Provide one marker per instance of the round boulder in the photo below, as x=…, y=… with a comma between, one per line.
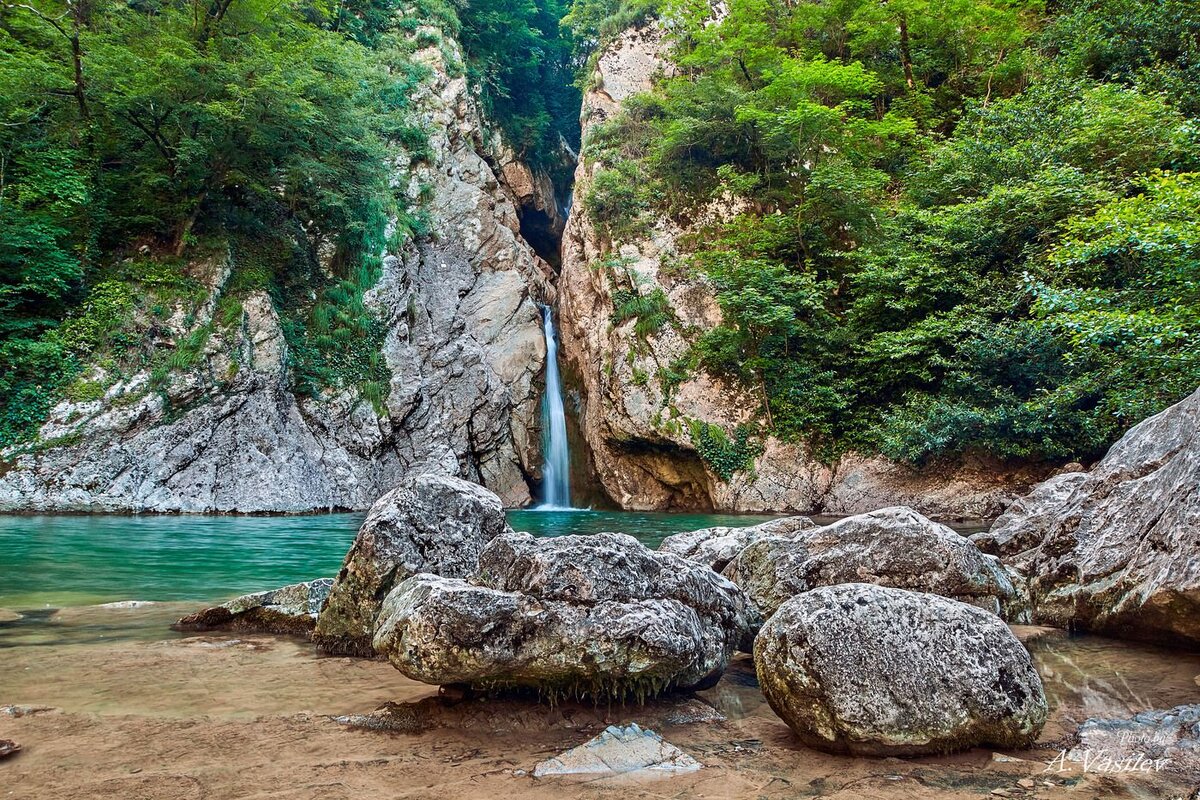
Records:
x=868, y=670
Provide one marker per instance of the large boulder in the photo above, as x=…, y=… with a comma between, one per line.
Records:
x=894, y=547
x=599, y=616
x=718, y=546
x=869, y=670
x=430, y=523
x=1117, y=550
x=288, y=610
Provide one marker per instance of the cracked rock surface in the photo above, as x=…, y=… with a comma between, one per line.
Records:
x=1114, y=550
x=429, y=524
x=599, y=616
x=288, y=610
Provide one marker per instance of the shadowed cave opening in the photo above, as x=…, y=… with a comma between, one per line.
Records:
x=544, y=235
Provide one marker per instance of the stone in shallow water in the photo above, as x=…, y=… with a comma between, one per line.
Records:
x=25, y=711
x=620, y=751
x=8, y=747
x=716, y=547
x=868, y=670
x=288, y=610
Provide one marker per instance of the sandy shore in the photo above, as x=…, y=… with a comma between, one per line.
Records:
x=166, y=716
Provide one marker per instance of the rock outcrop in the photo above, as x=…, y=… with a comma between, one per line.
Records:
x=599, y=616
x=717, y=547
x=869, y=670
x=430, y=523
x=641, y=422
x=291, y=609
x=228, y=434
x=895, y=547
x=1115, y=550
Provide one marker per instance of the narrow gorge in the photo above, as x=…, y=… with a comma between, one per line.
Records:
x=463, y=340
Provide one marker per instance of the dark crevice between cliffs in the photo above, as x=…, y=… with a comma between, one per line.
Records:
x=544, y=234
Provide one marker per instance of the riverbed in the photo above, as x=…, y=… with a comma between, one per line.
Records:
x=111, y=703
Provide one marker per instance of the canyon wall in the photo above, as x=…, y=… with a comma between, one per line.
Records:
x=228, y=434
x=642, y=430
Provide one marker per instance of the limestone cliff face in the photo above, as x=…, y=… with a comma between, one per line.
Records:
x=642, y=438
x=463, y=342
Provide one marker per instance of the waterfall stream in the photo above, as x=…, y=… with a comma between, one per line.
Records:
x=556, y=465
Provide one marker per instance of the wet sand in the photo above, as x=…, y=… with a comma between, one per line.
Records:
x=134, y=711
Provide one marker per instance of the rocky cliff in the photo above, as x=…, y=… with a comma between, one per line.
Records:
x=227, y=434
x=1113, y=550
x=650, y=433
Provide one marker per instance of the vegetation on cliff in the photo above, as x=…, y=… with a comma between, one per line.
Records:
x=139, y=135
x=943, y=225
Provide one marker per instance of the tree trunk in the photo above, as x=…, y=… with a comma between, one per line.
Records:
x=906, y=52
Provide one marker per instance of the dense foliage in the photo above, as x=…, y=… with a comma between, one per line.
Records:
x=942, y=226
x=140, y=138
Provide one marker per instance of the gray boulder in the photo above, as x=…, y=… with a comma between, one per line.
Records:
x=1117, y=550
x=718, y=546
x=868, y=670
x=430, y=523
x=894, y=547
x=288, y=610
x=599, y=616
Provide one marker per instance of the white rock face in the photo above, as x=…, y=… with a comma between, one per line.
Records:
x=463, y=342
x=641, y=446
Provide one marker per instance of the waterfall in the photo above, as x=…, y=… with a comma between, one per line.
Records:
x=556, y=465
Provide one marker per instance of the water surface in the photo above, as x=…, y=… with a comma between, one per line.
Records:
x=76, y=560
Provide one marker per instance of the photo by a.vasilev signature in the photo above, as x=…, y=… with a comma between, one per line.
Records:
x=1104, y=761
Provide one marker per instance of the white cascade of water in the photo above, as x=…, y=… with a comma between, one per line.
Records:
x=556, y=462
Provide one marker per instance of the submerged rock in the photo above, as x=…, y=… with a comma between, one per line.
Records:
x=620, y=751
x=1115, y=550
x=1149, y=741
x=8, y=747
x=430, y=523
x=718, y=546
x=894, y=547
x=869, y=670
x=288, y=610
x=600, y=615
